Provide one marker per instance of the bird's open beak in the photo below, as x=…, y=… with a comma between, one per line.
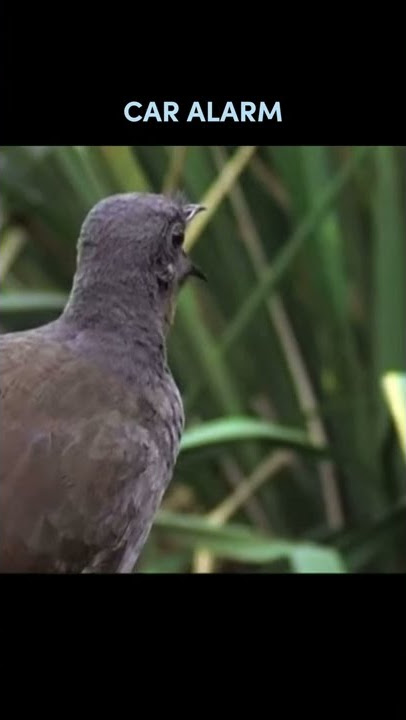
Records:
x=196, y=272
x=191, y=210
x=192, y=270
x=187, y=268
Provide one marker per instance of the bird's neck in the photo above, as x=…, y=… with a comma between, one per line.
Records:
x=125, y=314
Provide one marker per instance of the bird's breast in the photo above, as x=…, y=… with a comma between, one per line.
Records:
x=168, y=422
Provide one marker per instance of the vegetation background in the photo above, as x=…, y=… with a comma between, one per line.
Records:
x=291, y=361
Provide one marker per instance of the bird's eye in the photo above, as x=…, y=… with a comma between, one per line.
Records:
x=178, y=238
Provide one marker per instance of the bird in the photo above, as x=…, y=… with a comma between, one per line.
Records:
x=91, y=417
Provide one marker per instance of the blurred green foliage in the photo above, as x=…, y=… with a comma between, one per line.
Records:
x=291, y=460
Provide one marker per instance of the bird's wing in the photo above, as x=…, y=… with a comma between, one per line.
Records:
x=74, y=458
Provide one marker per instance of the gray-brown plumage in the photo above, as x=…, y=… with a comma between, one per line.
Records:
x=90, y=417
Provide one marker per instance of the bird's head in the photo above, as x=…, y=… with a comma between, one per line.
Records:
x=135, y=240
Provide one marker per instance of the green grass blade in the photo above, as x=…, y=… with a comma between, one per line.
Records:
x=13, y=240
x=75, y=169
x=237, y=429
x=274, y=272
x=389, y=271
x=126, y=169
x=213, y=367
x=314, y=559
x=218, y=191
x=236, y=542
x=31, y=301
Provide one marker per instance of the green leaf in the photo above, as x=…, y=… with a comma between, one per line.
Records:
x=237, y=429
x=274, y=272
x=73, y=164
x=314, y=559
x=389, y=272
x=13, y=240
x=125, y=168
x=32, y=301
x=363, y=546
x=171, y=563
x=237, y=542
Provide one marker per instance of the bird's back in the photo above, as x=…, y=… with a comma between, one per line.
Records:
x=86, y=456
